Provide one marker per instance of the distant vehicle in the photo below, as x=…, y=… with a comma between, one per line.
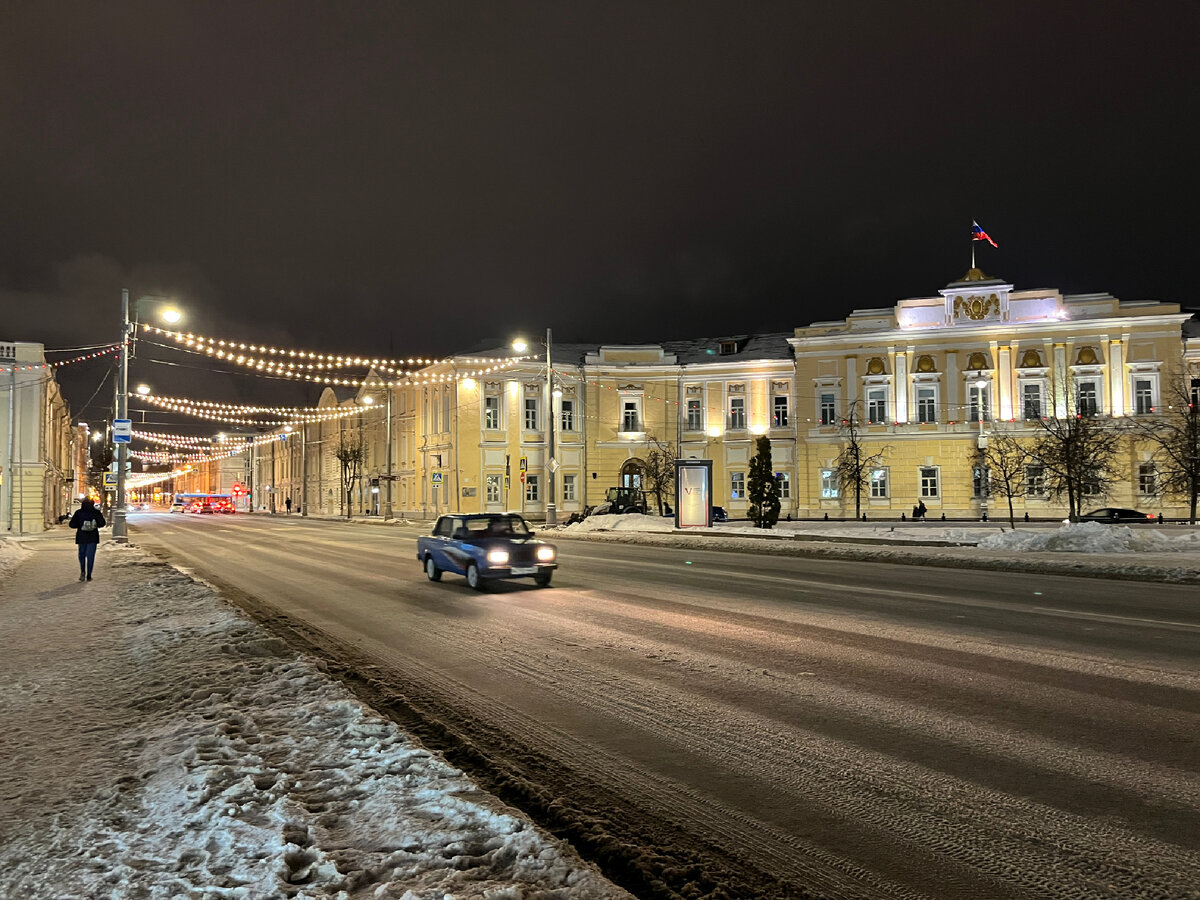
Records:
x=1116, y=514
x=223, y=506
x=195, y=503
x=619, y=501
x=719, y=514
x=485, y=547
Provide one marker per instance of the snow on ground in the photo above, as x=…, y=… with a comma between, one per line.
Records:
x=160, y=745
x=1092, y=537
x=10, y=553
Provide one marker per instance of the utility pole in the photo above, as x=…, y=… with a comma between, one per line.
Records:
x=551, y=463
x=387, y=503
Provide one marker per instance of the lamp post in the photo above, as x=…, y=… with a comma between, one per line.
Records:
x=120, y=527
x=552, y=431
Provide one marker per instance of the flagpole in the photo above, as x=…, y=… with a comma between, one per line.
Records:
x=972, y=251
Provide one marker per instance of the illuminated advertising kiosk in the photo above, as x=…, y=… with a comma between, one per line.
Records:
x=693, y=493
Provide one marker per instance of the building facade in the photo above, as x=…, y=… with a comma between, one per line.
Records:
x=927, y=381
x=37, y=442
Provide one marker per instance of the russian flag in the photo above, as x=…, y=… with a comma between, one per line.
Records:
x=978, y=234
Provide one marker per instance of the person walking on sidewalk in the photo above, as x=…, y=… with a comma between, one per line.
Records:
x=87, y=523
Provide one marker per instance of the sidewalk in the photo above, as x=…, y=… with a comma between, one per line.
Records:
x=157, y=744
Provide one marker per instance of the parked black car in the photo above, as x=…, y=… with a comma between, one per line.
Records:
x=719, y=514
x=1116, y=514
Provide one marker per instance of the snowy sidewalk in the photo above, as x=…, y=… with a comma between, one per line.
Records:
x=157, y=744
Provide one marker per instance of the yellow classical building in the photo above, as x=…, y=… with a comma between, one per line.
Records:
x=928, y=380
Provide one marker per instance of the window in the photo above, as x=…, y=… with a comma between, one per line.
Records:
x=879, y=484
x=1035, y=481
x=876, y=406
x=1147, y=479
x=566, y=415
x=568, y=491
x=446, y=409
x=695, y=415
x=829, y=484
x=1090, y=485
x=929, y=481
x=978, y=405
x=737, y=485
x=532, y=418
x=1031, y=400
x=493, y=489
x=828, y=405
x=737, y=412
x=979, y=481
x=629, y=415
x=1143, y=396
x=1085, y=398
x=926, y=404
x=728, y=348
x=531, y=488
x=1195, y=392
x=491, y=413
x=779, y=414
x=784, y=480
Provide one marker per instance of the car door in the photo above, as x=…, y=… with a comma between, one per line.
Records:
x=441, y=545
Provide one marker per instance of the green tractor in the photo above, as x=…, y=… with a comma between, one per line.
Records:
x=620, y=501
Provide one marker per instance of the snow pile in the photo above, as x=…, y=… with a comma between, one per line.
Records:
x=1091, y=537
x=192, y=755
x=10, y=553
x=631, y=522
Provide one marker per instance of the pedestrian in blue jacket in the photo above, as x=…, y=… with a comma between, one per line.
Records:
x=87, y=523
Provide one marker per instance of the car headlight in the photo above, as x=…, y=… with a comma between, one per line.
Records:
x=545, y=554
x=498, y=557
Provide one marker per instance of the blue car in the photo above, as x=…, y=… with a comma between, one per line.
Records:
x=485, y=547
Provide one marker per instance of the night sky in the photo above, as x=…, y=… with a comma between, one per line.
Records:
x=423, y=178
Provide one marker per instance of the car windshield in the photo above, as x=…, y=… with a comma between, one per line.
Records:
x=498, y=526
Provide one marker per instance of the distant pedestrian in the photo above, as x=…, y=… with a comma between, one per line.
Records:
x=87, y=523
x=921, y=510
x=288, y=504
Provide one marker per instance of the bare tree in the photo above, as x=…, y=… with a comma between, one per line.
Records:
x=1004, y=461
x=659, y=474
x=350, y=454
x=1174, y=433
x=1078, y=452
x=854, y=465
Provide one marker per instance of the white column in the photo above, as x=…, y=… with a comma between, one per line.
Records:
x=1116, y=378
x=900, y=387
x=1004, y=384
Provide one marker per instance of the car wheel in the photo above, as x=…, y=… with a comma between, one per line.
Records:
x=542, y=579
x=431, y=569
x=473, y=579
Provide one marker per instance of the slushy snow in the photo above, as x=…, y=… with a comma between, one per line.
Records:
x=157, y=744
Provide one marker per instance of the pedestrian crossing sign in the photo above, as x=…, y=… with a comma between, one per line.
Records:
x=435, y=478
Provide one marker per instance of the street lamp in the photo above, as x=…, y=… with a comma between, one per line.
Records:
x=120, y=530
x=551, y=394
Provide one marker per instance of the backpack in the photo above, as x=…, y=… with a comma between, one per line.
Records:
x=87, y=525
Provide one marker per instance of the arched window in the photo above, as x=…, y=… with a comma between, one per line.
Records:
x=632, y=473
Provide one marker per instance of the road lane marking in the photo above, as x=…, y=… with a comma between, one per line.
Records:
x=1092, y=615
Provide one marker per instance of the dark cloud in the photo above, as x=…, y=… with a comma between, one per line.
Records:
x=413, y=178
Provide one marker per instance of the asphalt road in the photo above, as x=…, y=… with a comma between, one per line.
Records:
x=722, y=725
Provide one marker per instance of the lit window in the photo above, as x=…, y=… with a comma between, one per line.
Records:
x=629, y=415
x=879, y=484
x=493, y=489
x=829, y=484
x=978, y=407
x=737, y=485
x=784, y=480
x=491, y=413
x=695, y=415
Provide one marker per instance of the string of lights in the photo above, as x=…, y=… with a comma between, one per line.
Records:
x=58, y=364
